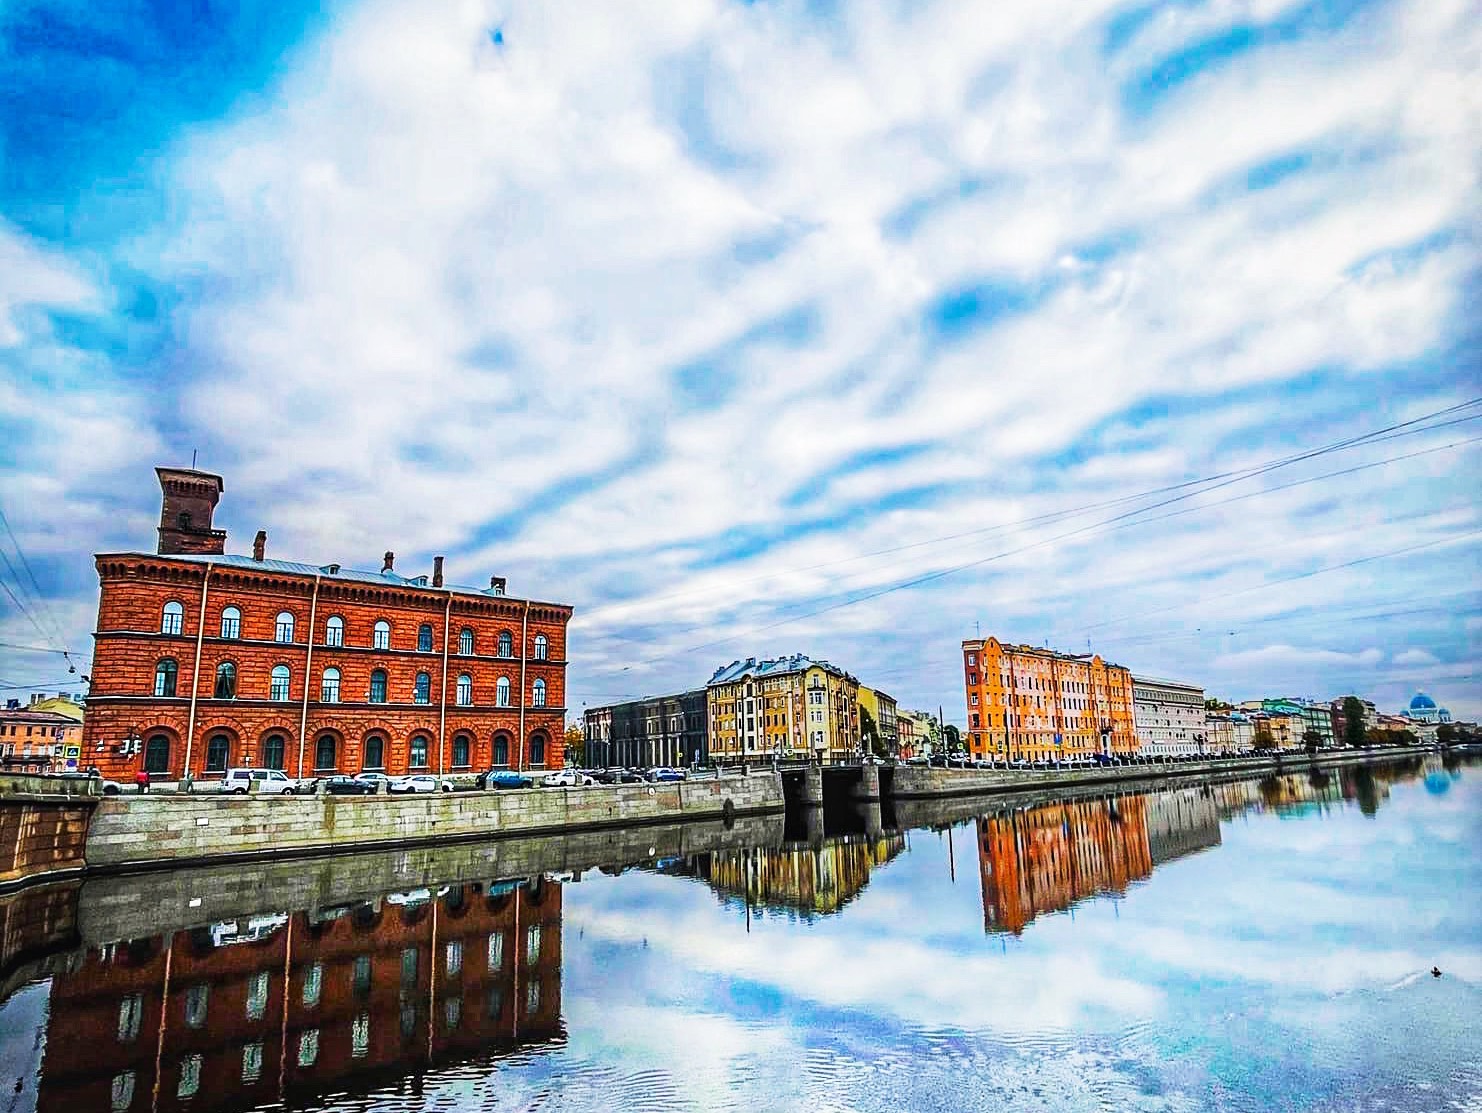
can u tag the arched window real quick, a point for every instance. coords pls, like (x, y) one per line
(418, 759)
(465, 642)
(501, 692)
(465, 690)
(334, 631)
(537, 694)
(164, 678)
(506, 644)
(272, 751)
(172, 621)
(381, 635)
(324, 756)
(461, 746)
(157, 754)
(283, 632)
(226, 681)
(231, 623)
(279, 690)
(542, 647)
(537, 749)
(375, 752)
(501, 749)
(424, 638)
(329, 691)
(378, 686)
(423, 691)
(216, 753)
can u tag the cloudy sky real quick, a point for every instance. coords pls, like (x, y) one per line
(849, 329)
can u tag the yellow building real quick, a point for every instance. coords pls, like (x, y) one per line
(882, 712)
(1029, 703)
(787, 707)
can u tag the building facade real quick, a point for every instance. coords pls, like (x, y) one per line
(1340, 720)
(639, 734)
(882, 712)
(33, 741)
(1315, 717)
(1169, 716)
(1029, 703)
(1228, 732)
(920, 730)
(280, 1008)
(786, 707)
(205, 661)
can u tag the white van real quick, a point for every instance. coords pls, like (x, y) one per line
(270, 782)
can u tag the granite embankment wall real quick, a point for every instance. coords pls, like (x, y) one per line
(126, 906)
(43, 827)
(912, 781)
(139, 832)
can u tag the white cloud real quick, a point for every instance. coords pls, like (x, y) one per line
(1416, 657)
(593, 307)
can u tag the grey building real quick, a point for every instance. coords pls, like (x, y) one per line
(656, 730)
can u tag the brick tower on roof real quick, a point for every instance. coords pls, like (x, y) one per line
(190, 499)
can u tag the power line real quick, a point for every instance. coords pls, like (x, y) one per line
(1122, 518)
(1400, 429)
(45, 607)
(44, 649)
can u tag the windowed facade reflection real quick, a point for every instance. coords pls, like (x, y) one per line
(311, 1000)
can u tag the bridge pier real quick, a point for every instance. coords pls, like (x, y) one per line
(813, 826)
(812, 787)
(868, 785)
(874, 823)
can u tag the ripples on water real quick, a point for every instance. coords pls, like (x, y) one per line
(1251, 946)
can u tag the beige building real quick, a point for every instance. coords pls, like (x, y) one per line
(1168, 716)
(1228, 732)
(785, 707)
(920, 730)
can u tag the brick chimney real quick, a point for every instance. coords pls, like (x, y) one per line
(390, 560)
(260, 545)
(437, 571)
(189, 500)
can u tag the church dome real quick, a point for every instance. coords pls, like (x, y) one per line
(1422, 702)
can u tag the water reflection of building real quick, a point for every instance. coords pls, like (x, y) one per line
(1045, 859)
(238, 1014)
(1181, 823)
(806, 878)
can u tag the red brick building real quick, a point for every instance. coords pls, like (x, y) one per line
(280, 1008)
(207, 661)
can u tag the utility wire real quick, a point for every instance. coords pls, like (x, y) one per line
(1112, 521)
(44, 607)
(1400, 429)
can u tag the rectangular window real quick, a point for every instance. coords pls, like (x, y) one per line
(283, 631)
(279, 688)
(453, 958)
(409, 966)
(496, 950)
(257, 995)
(378, 687)
(313, 983)
(130, 1009)
(334, 635)
(231, 627)
(251, 1062)
(532, 944)
(329, 690)
(360, 1036)
(360, 980)
(190, 1076)
(308, 1047)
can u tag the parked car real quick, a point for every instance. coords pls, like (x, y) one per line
(421, 782)
(338, 784)
(503, 778)
(618, 776)
(270, 782)
(566, 778)
(663, 773)
(375, 780)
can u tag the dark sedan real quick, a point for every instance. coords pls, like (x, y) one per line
(503, 778)
(342, 784)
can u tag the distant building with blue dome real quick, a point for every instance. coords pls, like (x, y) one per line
(1423, 709)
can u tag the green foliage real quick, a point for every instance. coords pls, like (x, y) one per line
(953, 737)
(1446, 734)
(1312, 739)
(1353, 721)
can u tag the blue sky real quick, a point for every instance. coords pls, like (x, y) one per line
(720, 320)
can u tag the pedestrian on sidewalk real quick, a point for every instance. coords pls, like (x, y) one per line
(141, 779)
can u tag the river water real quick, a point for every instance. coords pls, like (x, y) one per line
(1262, 945)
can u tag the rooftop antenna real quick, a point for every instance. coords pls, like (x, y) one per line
(192, 459)
(978, 628)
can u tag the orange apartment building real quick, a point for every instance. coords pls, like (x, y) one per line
(1046, 859)
(1029, 703)
(205, 661)
(277, 1008)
